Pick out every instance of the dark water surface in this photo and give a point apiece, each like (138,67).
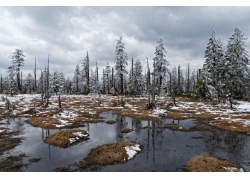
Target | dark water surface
(163,149)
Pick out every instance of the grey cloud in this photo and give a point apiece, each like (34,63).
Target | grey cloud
(69,32)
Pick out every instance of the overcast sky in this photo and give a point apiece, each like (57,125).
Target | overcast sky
(68,32)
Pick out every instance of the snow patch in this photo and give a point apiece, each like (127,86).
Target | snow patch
(132,150)
(2,131)
(232,169)
(63,123)
(244,107)
(80,134)
(159,112)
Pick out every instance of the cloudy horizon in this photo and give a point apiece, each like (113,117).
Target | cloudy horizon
(68,32)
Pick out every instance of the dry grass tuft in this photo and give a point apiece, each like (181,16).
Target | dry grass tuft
(110,122)
(62,137)
(231,125)
(35,159)
(176,115)
(125,130)
(11,164)
(8,143)
(209,164)
(105,155)
(44,122)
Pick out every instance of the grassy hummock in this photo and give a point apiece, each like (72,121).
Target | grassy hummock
(211,164)
(106,154)
(12,163)
(66,138)
(110,122)
(125,130)
(8,143)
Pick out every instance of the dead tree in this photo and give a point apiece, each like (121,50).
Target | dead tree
(47,84)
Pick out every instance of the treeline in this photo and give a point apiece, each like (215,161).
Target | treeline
(223,75)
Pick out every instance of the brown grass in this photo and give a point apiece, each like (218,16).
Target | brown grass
(176,115)
(208,164)
(231,126)
(35,159)
(126,130)
(8,143)
(110,122)
(61,138)
(12,164)
(106,154)
(44,122)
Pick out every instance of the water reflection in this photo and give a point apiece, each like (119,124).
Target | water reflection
(163,149)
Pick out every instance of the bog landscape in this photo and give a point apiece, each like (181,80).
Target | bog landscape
(148,118)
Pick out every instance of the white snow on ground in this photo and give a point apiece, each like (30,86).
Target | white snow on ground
(232,169)
(243,107)
(159,111)
(132,150)
(67,114)
(63,123)
(2,131)
(77,134)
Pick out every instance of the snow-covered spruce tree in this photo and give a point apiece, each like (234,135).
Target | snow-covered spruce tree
(236,66)
(161,63)
(18,61)
(57,86)
(95,86)
(12,87)
(76,78)
(28,82)
(138,80)
(85,74)
(192,81)
(209,85)
(94,83)
(107,79)
(120,63)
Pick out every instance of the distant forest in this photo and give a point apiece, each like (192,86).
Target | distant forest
(224,75)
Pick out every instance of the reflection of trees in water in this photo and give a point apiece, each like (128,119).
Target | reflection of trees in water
(230,144)
(136,126)
(19,124)
(120,123)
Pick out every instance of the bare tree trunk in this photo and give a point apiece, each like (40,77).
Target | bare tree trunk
(59,103)
(121,83)
(174,100)
(179,79)
(42,86)
(1,83)
(35,87)
(47,93)
(148,84)
(153,89)
(170,83)
(188,81)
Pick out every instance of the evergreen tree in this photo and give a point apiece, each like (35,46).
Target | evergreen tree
(236,66)
(160,65)
(28,82)
(85,74)
(76,78)
(209,85)
(10,81)
(120,63)
(138,80)
(18,61)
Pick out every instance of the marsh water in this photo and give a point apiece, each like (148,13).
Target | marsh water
(163,149)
